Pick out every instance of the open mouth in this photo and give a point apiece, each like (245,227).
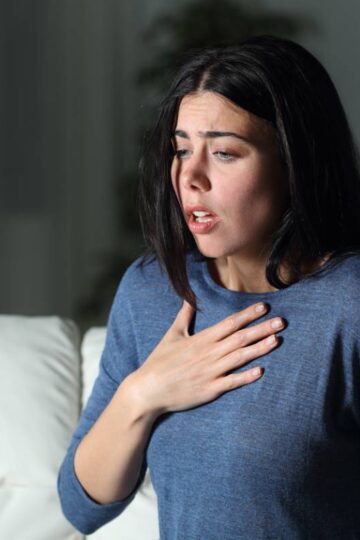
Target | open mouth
(202,224)
(202,217)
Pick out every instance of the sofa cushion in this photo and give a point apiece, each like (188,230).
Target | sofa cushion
(40,390)
(139,521)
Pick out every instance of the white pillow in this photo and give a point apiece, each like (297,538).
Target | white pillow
(91,349)
(40,390)
(139,521)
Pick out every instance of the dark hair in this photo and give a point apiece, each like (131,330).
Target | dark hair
(277,80)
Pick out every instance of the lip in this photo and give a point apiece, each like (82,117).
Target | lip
(198,207)
(200,227)
(197,227)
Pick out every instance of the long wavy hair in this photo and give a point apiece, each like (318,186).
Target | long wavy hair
(277,80)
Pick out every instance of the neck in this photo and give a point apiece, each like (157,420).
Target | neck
(248,275)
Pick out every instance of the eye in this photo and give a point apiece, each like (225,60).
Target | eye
(224,156)
(180,153)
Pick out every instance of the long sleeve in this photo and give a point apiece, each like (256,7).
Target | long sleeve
(117,361)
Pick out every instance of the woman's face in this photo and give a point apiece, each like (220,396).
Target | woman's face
(227,162)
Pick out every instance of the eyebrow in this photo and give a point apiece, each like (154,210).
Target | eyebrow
(214,135)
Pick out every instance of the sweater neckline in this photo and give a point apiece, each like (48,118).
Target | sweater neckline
(229,293)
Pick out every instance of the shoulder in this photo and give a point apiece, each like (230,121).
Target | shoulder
(343,288)
(142,272)
(345,278)
(150,273)
(146,281)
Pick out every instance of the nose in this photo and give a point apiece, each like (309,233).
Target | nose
(194,175)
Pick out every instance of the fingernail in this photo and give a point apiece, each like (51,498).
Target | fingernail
(277,323)
(260,307)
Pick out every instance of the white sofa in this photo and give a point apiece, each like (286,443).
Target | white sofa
(46,378)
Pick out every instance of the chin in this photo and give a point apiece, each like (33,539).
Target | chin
(213,251)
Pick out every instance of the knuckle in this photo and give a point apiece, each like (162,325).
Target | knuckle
(250,375)
(241,339)
(231,322)
(264,345)
(246,377)
(231,382)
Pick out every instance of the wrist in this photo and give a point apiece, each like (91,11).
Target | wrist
(141,406)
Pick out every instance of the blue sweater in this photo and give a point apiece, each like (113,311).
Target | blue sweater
(275,459)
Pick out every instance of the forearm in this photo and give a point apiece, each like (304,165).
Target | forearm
(108,460)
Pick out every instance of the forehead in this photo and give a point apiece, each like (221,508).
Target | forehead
(208,111)
(205,102)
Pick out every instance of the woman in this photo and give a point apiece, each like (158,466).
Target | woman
(249,199)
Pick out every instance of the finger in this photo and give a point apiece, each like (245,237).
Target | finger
(247,354)
(236,321)
(249,335)
(235,380)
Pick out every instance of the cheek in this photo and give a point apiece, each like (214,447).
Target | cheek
(238,202)
(263,186)
(252,202)
(174,180)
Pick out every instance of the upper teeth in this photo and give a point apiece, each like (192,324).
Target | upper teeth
(197,213)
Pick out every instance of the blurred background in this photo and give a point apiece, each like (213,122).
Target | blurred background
(80,81)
